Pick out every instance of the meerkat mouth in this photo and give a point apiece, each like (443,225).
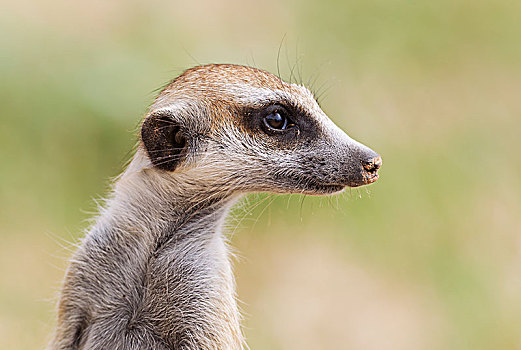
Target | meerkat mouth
(312,186)
(370,178)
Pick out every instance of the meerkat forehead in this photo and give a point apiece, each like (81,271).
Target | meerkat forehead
(237,85)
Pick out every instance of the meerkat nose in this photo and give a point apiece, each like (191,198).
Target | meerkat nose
(372,165)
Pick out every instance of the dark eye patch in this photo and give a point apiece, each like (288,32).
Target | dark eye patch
(292,124)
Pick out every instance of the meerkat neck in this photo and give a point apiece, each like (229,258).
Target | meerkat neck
(174,205)
(173,272)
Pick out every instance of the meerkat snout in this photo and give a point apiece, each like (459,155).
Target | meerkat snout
(241,129)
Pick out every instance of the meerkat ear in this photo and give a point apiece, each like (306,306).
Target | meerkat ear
(164,141)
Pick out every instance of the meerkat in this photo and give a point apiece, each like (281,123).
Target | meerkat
(154,272)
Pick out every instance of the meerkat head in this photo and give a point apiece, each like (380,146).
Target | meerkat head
(241,129)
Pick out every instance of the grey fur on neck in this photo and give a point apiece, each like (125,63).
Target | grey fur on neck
(153,271)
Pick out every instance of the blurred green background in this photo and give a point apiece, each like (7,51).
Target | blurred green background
(429,257)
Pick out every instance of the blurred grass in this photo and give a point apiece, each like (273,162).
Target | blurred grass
(433,86)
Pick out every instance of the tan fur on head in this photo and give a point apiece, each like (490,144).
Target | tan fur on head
(154,272)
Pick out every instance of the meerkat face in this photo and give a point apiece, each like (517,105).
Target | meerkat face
(241,129)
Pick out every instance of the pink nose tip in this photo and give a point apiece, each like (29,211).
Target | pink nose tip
(371,167)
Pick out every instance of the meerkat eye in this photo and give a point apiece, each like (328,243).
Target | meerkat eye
(277,120)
